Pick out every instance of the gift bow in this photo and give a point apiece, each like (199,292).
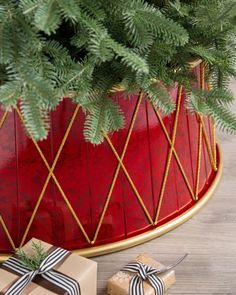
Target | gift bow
(45,270)
(145,272)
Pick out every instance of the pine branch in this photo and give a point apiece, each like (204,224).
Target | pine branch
(104,116)
(35,117)
(93,9)
(6,50)
(195,103)
(114,115)
(224,119)
(33,261)
(95,122)
(28,6)
(9,93)
(82,49)
(47,17)
(70,9)
(141,18)
(130,58)
(215,105)
(160,98)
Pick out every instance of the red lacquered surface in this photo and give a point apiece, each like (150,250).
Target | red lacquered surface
(85,195)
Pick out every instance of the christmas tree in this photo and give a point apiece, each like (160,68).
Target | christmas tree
(50,49)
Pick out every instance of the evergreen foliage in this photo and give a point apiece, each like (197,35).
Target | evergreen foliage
(82,49)
(34,260)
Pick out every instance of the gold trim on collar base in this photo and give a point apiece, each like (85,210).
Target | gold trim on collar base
(130,242)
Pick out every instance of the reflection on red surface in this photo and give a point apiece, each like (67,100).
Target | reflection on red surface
(85,173)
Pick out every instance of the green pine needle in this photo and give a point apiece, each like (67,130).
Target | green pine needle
(81,49)
(34,260)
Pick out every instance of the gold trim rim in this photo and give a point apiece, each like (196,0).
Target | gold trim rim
(154,233)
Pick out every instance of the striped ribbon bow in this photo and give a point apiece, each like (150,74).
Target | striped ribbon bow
(45,270)
(145,272)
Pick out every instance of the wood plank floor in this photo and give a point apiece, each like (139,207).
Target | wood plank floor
(209,237)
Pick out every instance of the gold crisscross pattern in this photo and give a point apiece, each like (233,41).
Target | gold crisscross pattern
(194,191)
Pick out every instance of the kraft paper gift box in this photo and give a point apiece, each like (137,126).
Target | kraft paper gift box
(119,283)
(83,270)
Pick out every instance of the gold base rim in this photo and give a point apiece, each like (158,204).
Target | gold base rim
(154,233)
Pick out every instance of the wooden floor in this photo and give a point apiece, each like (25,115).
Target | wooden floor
(209,237)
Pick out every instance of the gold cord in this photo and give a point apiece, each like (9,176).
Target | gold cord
(129,179)
(51,175)
(3,119)
(180,90)
(118,167)
(198,160)
(175,154)
(7,233)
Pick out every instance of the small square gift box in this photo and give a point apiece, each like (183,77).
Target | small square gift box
(59,272)
(143,276)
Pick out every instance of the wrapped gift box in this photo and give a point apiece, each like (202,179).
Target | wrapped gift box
(119,283)
(83,270)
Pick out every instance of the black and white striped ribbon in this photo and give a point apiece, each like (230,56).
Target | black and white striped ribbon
(147,273)
(45,270)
